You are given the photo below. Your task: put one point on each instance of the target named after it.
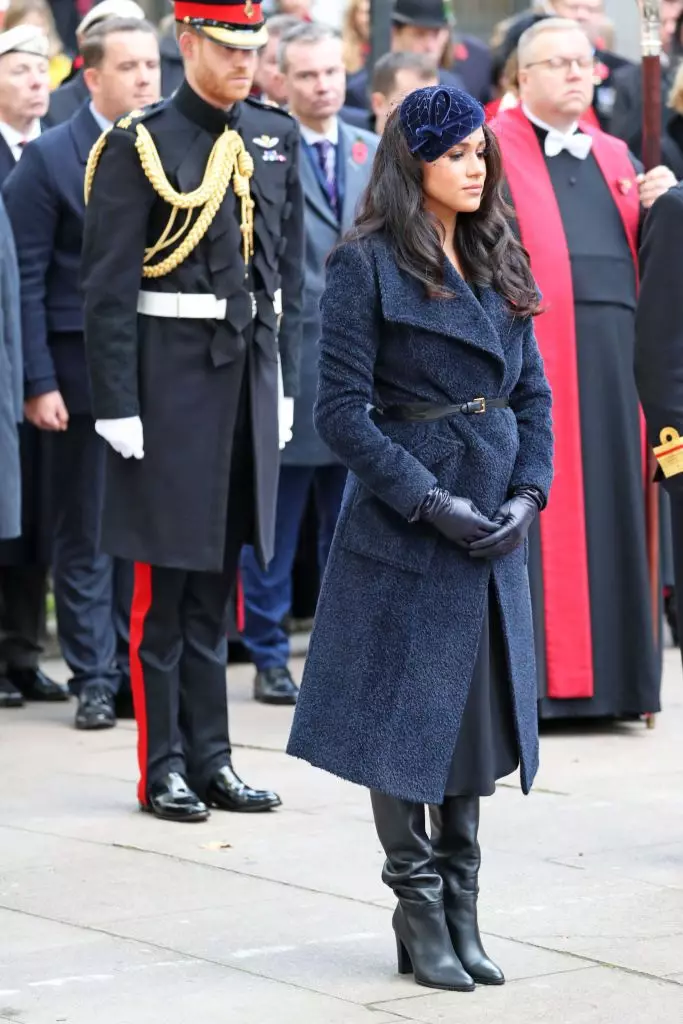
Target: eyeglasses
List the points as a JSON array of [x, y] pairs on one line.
[[563, 63]]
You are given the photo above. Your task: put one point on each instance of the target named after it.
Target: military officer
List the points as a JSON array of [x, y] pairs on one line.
[[193, 278], [659, 352]]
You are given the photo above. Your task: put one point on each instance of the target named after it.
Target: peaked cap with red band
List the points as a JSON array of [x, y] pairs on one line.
[[236, 24]]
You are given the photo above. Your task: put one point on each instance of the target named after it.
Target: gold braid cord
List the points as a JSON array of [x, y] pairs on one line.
[[93, 160], [228, 160]]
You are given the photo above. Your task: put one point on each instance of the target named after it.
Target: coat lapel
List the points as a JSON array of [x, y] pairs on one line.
[[85, 132], [7, 161], [313, 192], [356, 176], [463, 318]]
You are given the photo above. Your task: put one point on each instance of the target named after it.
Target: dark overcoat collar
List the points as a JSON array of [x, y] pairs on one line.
[[482, 321], [85, 132]]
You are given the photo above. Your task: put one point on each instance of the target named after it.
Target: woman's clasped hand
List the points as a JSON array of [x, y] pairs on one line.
[[459, 520]]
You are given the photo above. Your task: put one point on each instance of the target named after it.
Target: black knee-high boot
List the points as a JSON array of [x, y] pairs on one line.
[[457, 858], [422, 939]]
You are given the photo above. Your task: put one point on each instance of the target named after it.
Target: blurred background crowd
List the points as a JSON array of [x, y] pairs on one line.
[[469, 43]]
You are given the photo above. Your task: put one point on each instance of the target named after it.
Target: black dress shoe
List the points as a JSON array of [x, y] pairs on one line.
[[95, 709], [172, 800], [10, 697], [275, 686], [35, 685], [227, 792]]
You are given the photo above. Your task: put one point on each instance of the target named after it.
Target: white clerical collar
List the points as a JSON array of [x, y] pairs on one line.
[[310, 136], [17, 140], [102, 122], [546, 127]]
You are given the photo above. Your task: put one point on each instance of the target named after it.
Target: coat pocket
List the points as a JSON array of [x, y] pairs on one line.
[[378, 532]]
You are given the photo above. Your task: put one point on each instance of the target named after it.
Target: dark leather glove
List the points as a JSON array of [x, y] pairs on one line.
[[458, 519], [514, 519]]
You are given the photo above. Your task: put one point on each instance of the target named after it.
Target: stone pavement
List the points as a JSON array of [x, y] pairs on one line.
[[108, 916]]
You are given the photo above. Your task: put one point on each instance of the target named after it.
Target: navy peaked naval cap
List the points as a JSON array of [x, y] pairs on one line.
[[437, 118]]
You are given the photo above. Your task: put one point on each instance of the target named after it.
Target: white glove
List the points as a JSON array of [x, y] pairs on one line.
[[125, 436], [285, 410]]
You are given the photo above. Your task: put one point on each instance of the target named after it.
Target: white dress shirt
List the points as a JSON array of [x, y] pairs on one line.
[[579, 145], [102, 123], [310, 136], [17, 140]]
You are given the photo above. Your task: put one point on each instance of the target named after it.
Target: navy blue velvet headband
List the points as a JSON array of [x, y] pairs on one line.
[[437, 118]]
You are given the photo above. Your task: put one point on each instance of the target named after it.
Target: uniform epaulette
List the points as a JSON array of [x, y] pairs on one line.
[[270, 107], [136, 117]]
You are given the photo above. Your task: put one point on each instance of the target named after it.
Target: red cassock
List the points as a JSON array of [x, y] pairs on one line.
[[567, 612]]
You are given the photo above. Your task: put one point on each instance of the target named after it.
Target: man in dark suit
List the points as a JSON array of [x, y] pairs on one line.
[[335, 168], [418, 26], [473, 62], [73, 93], [394, 76], [24, 90], [44, 198]]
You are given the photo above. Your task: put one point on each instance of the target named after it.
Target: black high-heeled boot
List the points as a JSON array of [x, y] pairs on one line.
[[423, 942], [457, 858]]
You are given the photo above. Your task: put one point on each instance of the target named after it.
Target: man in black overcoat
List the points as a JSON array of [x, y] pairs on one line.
[[193, 277], [659, 352], [44, 199]]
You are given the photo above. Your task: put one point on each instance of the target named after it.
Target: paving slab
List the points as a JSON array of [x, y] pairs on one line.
[[283, 917], [582, 997], [125, 983], [340, 948]]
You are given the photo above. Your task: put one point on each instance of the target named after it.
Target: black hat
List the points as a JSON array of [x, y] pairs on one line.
[[505, 50], [424, 13], [438, 117], [237, 24]]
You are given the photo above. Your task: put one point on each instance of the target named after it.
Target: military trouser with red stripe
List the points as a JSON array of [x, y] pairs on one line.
[[179, 649]]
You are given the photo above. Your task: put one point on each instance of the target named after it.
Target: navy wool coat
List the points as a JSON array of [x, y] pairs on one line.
[[401, 608], [11, 383]]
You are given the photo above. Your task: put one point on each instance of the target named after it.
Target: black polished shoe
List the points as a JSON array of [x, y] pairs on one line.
[[10, 697], [35, 685], [95, 709], [172, 800], [275, 686], [227, 792]]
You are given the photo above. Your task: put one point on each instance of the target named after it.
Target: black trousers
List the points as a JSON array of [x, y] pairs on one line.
[[92, 590], [24, 561], [179, 648], [22, 615]]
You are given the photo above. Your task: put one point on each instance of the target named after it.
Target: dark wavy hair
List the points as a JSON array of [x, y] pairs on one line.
[[489, 253]]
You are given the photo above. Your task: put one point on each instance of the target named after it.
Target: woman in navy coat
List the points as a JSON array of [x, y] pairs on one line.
[[420, 681]]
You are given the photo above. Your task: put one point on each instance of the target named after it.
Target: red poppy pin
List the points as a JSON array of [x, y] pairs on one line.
[[460, 52], [359, 152], [625, 185], [601, 73]]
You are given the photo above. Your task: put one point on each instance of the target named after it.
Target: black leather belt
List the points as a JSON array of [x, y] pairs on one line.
[[427, 411]]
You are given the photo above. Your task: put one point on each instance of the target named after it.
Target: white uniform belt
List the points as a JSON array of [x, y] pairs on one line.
[[182, 306], [191, 306]]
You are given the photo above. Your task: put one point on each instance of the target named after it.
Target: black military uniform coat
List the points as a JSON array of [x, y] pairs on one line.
[[659, 342], [184, 376]]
